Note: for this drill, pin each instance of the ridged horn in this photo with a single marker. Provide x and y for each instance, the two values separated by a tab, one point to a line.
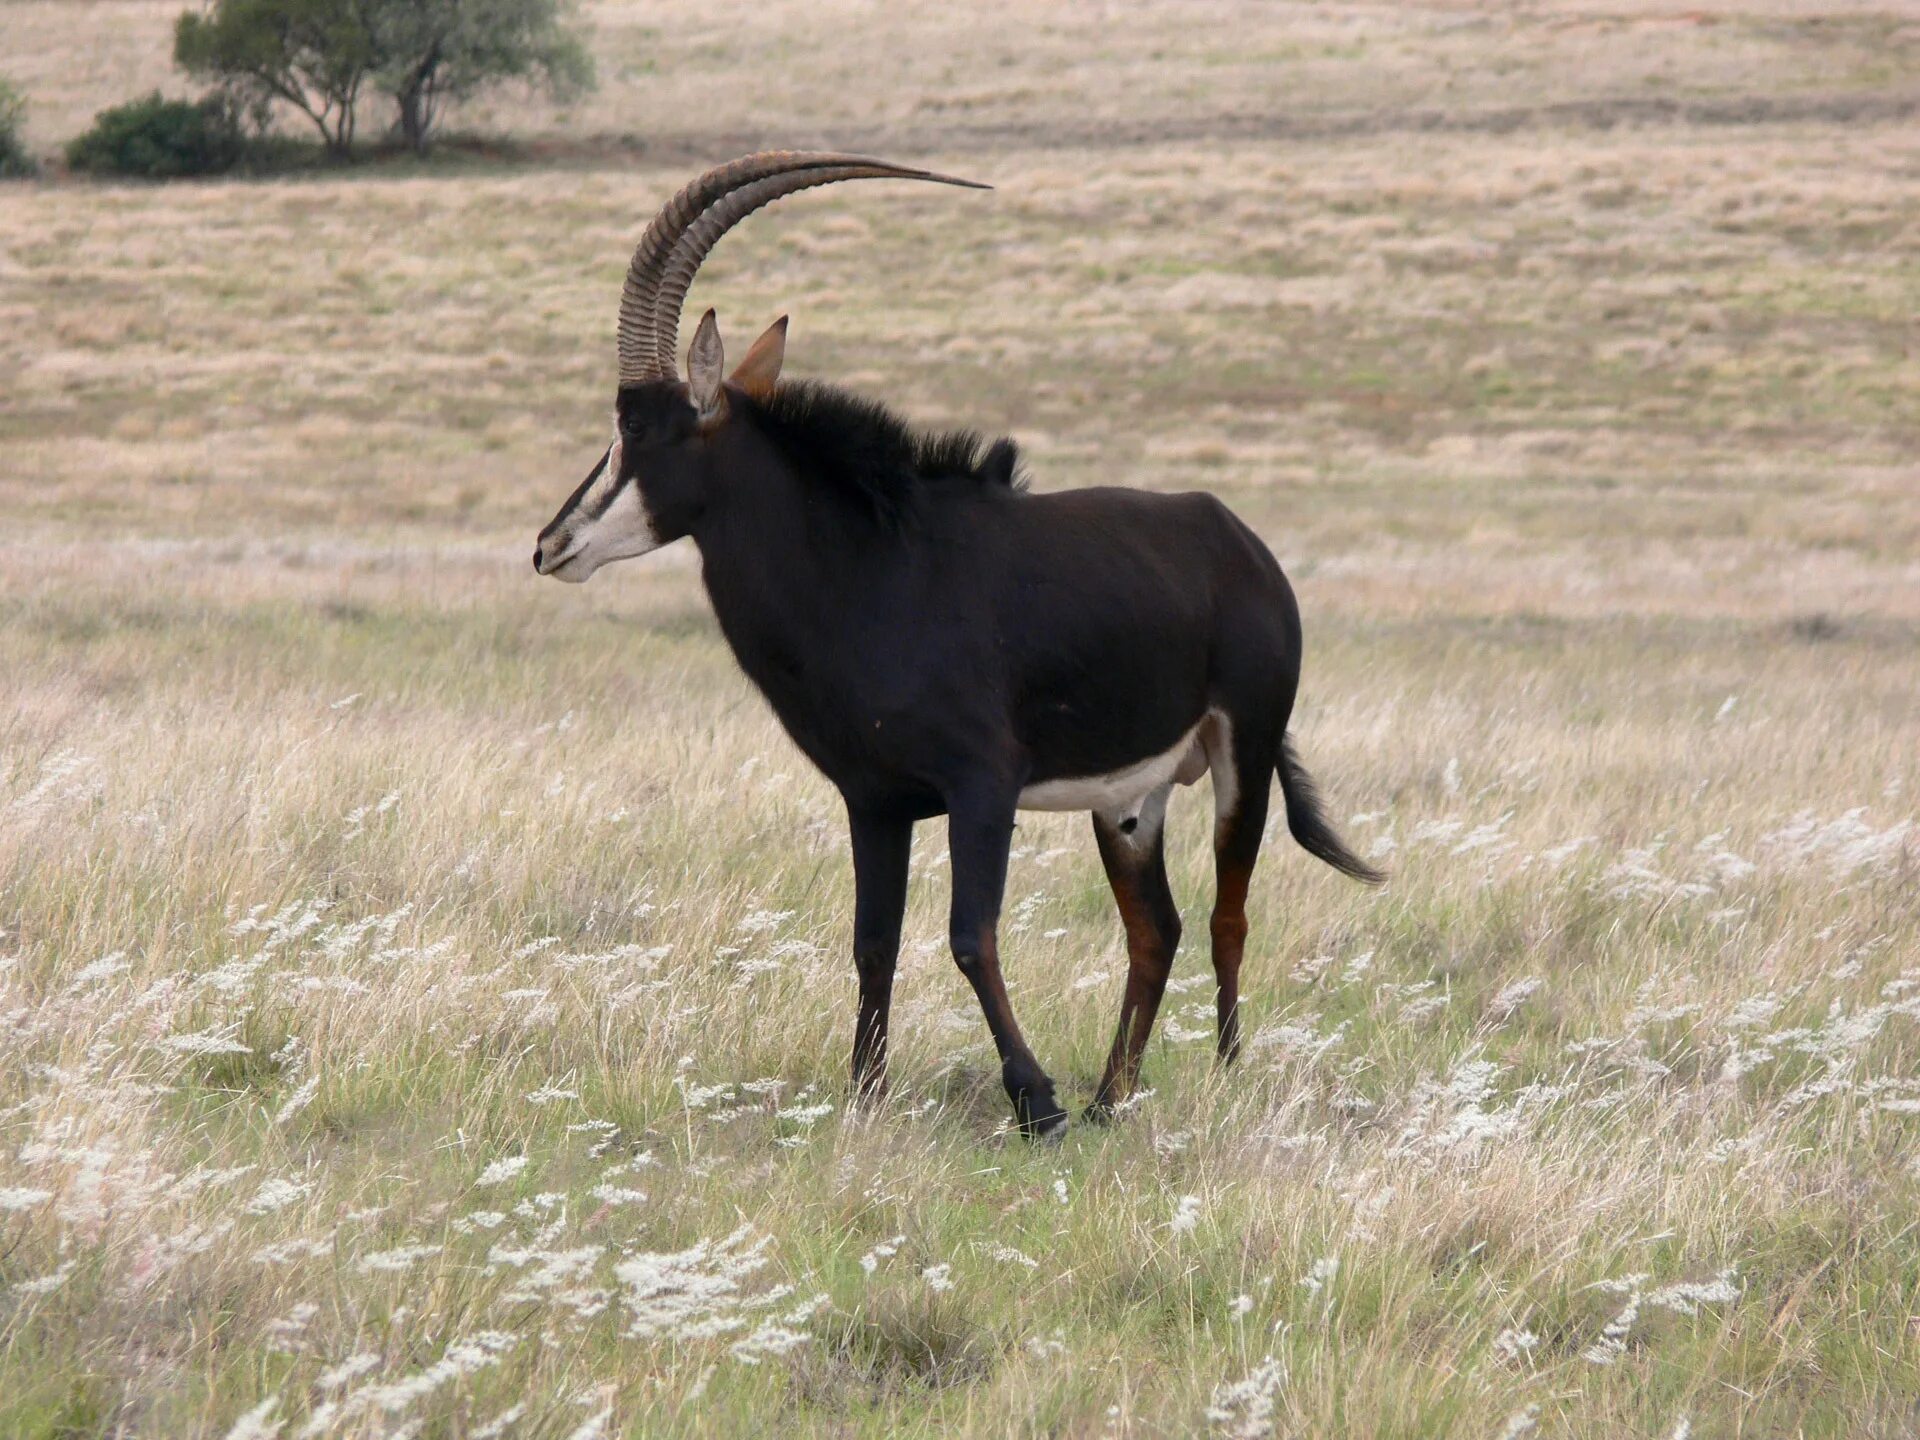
691	224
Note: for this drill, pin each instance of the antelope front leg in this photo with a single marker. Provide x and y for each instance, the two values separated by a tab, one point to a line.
979	833
880	848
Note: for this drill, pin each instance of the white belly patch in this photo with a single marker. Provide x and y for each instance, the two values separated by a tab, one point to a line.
1119	792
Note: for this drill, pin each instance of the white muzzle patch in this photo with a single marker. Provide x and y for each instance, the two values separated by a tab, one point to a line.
609	522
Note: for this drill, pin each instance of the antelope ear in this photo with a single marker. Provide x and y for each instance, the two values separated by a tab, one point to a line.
760	371
705	364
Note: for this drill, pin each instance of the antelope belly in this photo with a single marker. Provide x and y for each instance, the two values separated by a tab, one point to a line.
1120	791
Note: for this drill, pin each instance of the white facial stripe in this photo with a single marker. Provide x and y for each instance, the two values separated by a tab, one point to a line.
610	523
601	491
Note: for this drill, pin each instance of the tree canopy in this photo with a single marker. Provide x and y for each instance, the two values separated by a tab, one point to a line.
319	55
312	54
438	52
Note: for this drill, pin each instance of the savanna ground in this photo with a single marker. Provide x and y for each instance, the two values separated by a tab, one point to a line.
425	989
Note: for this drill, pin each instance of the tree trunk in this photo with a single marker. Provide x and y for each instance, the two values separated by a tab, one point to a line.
413	119
416	102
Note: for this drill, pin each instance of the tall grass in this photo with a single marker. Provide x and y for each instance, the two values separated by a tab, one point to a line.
425	991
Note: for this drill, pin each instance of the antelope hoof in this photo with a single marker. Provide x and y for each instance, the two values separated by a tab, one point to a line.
1040	1115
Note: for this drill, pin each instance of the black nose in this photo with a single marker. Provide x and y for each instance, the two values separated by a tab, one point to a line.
536	559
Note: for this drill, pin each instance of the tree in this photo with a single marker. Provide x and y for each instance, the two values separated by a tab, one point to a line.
15	158
433	53
312	54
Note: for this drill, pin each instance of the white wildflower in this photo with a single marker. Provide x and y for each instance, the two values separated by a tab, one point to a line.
1186	1215
1558	855
885	1250
48	1283
694	1293
996	1251
66	777
1490	838
1755	1010
501	1171
102	969
254	1425
349	1369
1511	1344
298	1101
618	1195
777	1336
1687	1298
462	1358
760	921
1243	1410
1514	995
1321	1274
289	1250
289	1325
805	1115
400	1258
501	1423
206	1043
275	1195
938	1277
1846	844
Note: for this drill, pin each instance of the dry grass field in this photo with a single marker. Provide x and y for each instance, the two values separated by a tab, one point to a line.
424	990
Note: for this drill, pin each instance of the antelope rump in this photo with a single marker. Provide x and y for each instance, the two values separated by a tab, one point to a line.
940	641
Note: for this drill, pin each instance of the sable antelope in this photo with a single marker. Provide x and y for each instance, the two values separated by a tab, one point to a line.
938	640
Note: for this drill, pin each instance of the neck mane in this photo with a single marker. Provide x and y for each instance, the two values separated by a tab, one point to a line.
892	470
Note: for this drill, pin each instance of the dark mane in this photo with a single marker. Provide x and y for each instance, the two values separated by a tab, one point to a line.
883	461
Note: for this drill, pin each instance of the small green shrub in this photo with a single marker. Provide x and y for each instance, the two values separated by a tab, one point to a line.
160	139
14	156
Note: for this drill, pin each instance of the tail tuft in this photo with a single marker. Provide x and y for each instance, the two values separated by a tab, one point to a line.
1309	823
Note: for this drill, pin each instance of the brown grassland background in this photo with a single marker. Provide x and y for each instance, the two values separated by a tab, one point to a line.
424	991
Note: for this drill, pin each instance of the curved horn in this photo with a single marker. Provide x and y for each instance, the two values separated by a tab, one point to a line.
689	226
643	272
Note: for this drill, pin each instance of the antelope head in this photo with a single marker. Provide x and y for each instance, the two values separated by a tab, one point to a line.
651	484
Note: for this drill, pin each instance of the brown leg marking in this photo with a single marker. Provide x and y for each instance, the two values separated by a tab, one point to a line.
1240	823
1136	869
1229	926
